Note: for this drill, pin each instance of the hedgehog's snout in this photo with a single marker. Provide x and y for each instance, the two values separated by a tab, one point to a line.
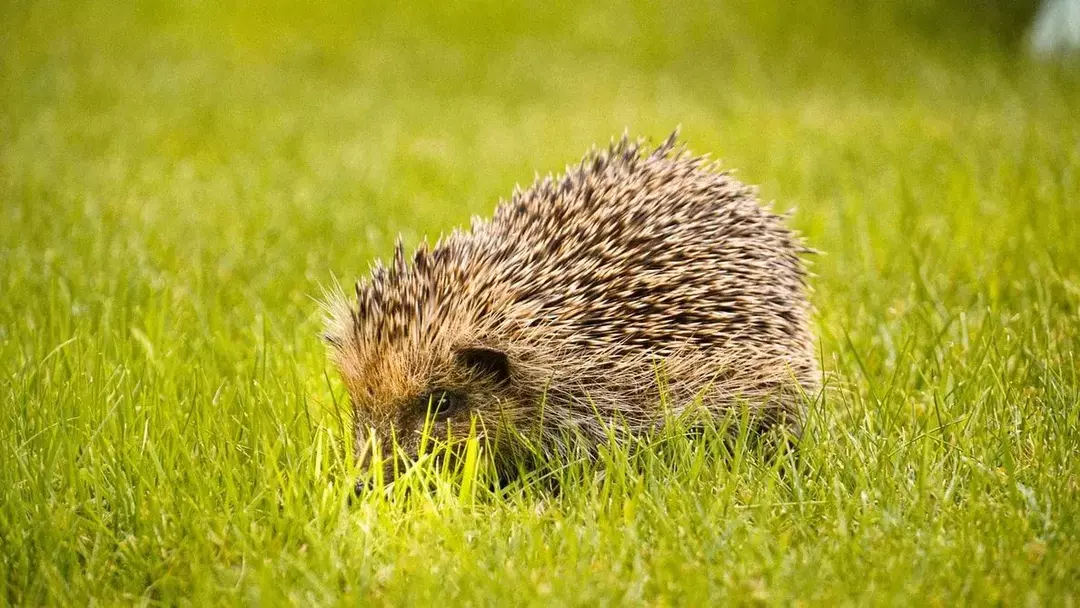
378	455
367	483
417	426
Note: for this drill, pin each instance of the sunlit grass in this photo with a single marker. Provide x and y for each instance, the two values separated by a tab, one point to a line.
177	183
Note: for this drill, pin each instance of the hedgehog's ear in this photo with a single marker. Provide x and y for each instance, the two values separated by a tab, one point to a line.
486	362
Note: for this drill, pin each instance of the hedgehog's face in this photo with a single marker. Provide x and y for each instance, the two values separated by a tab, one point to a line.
401	396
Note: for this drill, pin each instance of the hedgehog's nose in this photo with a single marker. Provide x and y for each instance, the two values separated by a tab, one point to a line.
366	483
363	486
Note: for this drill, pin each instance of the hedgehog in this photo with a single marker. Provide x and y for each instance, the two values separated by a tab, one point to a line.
640	283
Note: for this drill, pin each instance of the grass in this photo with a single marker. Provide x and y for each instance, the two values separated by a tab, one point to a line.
178	180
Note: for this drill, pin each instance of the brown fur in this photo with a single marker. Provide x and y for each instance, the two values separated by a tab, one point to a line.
582	297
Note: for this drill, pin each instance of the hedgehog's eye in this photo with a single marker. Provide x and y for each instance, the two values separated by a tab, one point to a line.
441	403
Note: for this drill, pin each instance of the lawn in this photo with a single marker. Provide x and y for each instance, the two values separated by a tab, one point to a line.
178	181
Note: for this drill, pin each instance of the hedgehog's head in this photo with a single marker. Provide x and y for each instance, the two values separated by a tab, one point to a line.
414	365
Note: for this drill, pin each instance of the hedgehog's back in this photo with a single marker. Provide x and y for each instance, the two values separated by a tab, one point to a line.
656	252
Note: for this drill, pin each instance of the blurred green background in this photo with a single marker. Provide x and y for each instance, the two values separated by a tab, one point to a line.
179	180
